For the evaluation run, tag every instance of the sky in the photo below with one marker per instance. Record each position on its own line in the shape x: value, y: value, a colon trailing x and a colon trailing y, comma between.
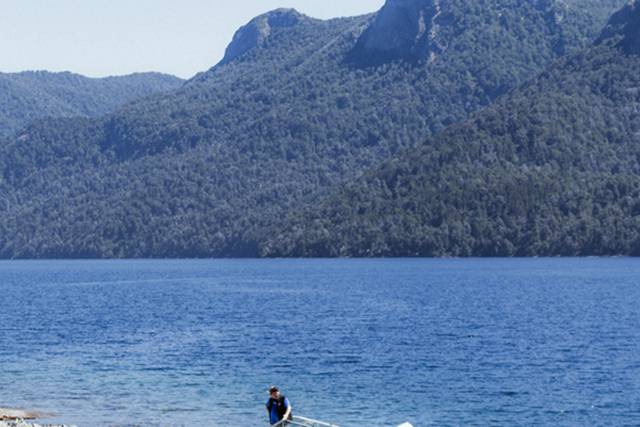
x: 99, y: 38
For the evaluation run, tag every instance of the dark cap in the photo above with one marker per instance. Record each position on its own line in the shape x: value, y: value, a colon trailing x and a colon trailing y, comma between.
x: 273, y: 389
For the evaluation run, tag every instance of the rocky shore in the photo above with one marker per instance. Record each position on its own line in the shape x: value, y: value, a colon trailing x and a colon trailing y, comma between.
x: 19, y: 418
x: 22, y: 423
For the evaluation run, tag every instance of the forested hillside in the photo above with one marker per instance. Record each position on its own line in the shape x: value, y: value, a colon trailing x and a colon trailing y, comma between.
x: 289, y: 113
x: 28, y: 96
x: 551, y: 169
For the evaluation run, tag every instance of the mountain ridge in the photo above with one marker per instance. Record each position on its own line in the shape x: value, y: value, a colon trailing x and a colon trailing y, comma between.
x: 208, y: 169
x: 402, y: 30
x: 33, y: 95
x: 258, y: 30
x: 419, y: 30
x: 550, y: 169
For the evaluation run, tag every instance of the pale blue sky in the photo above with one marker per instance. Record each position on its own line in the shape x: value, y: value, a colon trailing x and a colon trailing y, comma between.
x: 114, y: 37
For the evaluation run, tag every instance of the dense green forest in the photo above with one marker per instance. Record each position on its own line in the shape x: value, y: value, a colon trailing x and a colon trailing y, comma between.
x: 551, y: 169
x: 213, y: 168
x: 29, y: 96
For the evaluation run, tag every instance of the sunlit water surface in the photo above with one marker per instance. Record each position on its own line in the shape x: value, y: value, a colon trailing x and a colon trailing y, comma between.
x: 356, y: 342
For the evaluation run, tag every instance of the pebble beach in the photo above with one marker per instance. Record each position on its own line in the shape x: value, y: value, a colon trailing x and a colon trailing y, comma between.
x: 20, y: 418
x: 22, y: 423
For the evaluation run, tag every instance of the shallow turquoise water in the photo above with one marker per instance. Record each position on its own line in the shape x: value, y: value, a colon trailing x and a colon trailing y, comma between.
x: 357, y: 342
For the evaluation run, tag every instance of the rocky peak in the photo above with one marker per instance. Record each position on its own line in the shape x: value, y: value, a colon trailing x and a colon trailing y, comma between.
x: 623, y: 29
x: 258, y: 30
x: 402, y: 30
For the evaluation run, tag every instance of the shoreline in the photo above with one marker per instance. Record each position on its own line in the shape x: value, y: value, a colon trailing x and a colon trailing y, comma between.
x: 23, y: 423
x: 21, y: 418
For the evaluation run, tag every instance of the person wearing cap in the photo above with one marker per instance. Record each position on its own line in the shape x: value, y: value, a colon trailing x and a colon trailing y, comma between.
x: 278, y: 406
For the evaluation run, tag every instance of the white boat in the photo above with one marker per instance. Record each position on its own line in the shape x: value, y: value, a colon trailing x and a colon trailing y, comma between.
x: 308, y: 422
x: 304, y: 422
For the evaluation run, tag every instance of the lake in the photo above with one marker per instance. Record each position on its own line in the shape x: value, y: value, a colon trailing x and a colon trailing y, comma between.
x: 355, y: 342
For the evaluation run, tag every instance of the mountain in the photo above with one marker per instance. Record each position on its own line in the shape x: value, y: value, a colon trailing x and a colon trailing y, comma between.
x: 403, y: 30
x: 550, y: 169
x: 256, y: 32
x: 422, y: 30
x: 29, y: 96
x: 287, y: 115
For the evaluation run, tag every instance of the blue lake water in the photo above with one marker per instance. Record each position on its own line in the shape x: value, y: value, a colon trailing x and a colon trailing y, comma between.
x: 356, y: 342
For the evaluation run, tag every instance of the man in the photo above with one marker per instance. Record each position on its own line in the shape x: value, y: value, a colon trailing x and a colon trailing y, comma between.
x: 278, y: 406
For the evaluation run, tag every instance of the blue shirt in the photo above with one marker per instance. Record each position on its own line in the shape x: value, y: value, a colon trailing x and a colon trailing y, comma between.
x: 274, y: 417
